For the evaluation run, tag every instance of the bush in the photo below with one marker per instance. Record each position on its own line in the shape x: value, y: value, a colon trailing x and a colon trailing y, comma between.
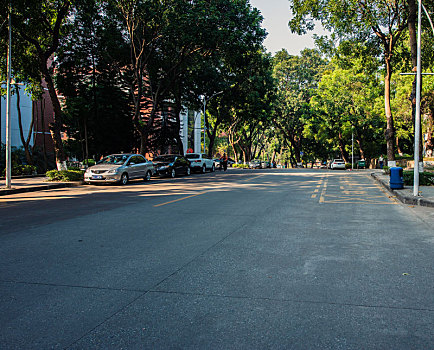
x: 21, y: 170
x: 386, y: 170
x: 241, y: 166
x: 65, y: 175
x: 89, y: 162
x: 425, y: 179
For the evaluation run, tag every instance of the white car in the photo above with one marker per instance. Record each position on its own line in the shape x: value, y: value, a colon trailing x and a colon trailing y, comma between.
x: 337, y: 164
x: 200, y: 162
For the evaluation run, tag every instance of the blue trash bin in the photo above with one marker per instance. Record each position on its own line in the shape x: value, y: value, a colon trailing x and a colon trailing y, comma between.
x: 396, y: 178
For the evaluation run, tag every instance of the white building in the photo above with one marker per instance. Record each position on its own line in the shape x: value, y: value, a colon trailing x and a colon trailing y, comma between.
x: 26, y: 117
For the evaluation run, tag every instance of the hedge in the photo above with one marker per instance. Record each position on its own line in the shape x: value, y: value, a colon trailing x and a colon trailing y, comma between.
x: 425, y: 179
x: 65, y: 175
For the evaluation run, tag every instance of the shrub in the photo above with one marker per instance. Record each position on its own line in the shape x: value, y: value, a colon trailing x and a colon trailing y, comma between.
x: 89, y: 162
x: 386, y: 170
x: 241, y: 166
x: 425, y: 178
x: 65, y: 175
x: 21, y: 170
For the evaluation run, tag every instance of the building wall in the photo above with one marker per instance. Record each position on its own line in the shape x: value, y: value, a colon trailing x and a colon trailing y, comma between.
x: 197, y: 132
x: 26, y: 118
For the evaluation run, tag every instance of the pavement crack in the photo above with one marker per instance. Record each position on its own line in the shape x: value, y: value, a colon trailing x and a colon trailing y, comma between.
x: 300, y: 301
x: 73, y: 286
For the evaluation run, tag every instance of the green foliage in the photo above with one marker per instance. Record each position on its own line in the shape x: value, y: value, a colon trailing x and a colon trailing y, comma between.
x: 425, y: 178
x: 240, y: 166
x: 18, y: 170
x: 65, y: 175
x: 386, y: 170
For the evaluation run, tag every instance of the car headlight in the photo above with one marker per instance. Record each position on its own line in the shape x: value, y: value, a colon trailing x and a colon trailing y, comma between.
x: 87, y: 171
x: 113, y: 171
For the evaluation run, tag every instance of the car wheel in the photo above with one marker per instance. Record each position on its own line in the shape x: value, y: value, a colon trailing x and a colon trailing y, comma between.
x: 188, y: 171
x: 213, y: 168
x: 148, y: 176
x: 124, y: 179
x: 204, y: 169
x: 173, y: 173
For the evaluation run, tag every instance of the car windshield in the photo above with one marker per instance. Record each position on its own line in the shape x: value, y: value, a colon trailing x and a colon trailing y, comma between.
x: 164, y: 159
x: 114, y: 159
x: 192, y: 156
x: 339, y: 161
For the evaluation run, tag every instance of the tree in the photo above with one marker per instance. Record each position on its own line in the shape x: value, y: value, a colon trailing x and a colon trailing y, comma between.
x: 167, y: 38
x: 38, y: 25
x: 365, y: 21
x: 346, y: 102
x: 90, y: 70
x: 296, y: 77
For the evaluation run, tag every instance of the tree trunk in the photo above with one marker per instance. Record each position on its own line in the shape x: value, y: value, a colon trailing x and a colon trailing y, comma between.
x: 56, y: 125
x: 344, y: 152
x: 360, y: 144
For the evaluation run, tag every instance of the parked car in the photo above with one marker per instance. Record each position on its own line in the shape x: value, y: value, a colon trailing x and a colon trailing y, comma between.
x: 255, y: 164
x: 337, y: 164
x: 120, y: 168
x: 171, y: 165
x: 200, y: 162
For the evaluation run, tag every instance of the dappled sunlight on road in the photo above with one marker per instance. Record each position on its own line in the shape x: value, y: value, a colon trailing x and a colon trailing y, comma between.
x: 302, y: 179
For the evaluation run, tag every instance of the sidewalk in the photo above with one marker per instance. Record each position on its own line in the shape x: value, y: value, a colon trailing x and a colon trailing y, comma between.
x: 32, y: 184
x: 405, y: 195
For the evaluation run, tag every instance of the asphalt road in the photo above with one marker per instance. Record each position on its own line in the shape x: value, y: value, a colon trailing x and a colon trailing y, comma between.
x: 265, y: 259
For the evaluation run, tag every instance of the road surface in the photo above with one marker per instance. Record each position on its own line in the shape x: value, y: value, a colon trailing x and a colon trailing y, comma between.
x: 247, y: 259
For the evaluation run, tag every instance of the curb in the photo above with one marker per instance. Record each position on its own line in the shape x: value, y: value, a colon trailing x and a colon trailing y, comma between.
x: 403, y: 198
x: 4, y: 192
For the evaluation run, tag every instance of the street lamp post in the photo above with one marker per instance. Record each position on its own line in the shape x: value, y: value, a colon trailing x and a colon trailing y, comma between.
x: 418, y: 93
x: 8, y: 104
x: 352, y: 147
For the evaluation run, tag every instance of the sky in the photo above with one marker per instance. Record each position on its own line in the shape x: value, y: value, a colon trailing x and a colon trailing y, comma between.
x: 276, y: 15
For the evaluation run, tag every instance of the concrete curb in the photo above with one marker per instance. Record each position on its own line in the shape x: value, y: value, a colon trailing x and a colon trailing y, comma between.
x: 48, y: 186
x: 402, y: 197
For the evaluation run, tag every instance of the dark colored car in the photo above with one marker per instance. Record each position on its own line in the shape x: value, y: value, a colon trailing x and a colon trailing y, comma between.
x: 171, y: 165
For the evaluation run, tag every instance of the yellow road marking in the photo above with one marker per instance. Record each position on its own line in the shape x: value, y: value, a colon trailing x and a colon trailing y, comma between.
x: 255, y: 177
x: 197, y: 194
x: 179, y: 199
x: 321, y: 198
x: 314, y: 196
x: 315, y: 191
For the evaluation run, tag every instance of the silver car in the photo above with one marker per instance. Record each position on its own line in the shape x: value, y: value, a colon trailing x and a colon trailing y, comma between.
x: 120, y: 168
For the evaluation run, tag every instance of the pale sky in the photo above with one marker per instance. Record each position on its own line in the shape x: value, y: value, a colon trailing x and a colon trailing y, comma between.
x: 276, y: 15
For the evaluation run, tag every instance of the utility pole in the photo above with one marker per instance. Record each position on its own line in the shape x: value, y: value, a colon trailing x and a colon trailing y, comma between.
x: 352, y: 147
x: 8, y: 103
x: 418, y: 93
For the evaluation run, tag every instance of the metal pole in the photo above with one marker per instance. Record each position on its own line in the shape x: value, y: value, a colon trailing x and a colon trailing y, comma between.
x: 8, y: 105
x: 418, y: 93
x: 204, y: 122
x: 352, y: 149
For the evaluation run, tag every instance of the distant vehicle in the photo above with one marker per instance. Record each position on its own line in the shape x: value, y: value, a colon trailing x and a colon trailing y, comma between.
x: 171, y: 165
x: 255, y: 164
x: 200, y: 162
x: 337, y: 164
x: 120, y: 168
x: 231, y: 162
